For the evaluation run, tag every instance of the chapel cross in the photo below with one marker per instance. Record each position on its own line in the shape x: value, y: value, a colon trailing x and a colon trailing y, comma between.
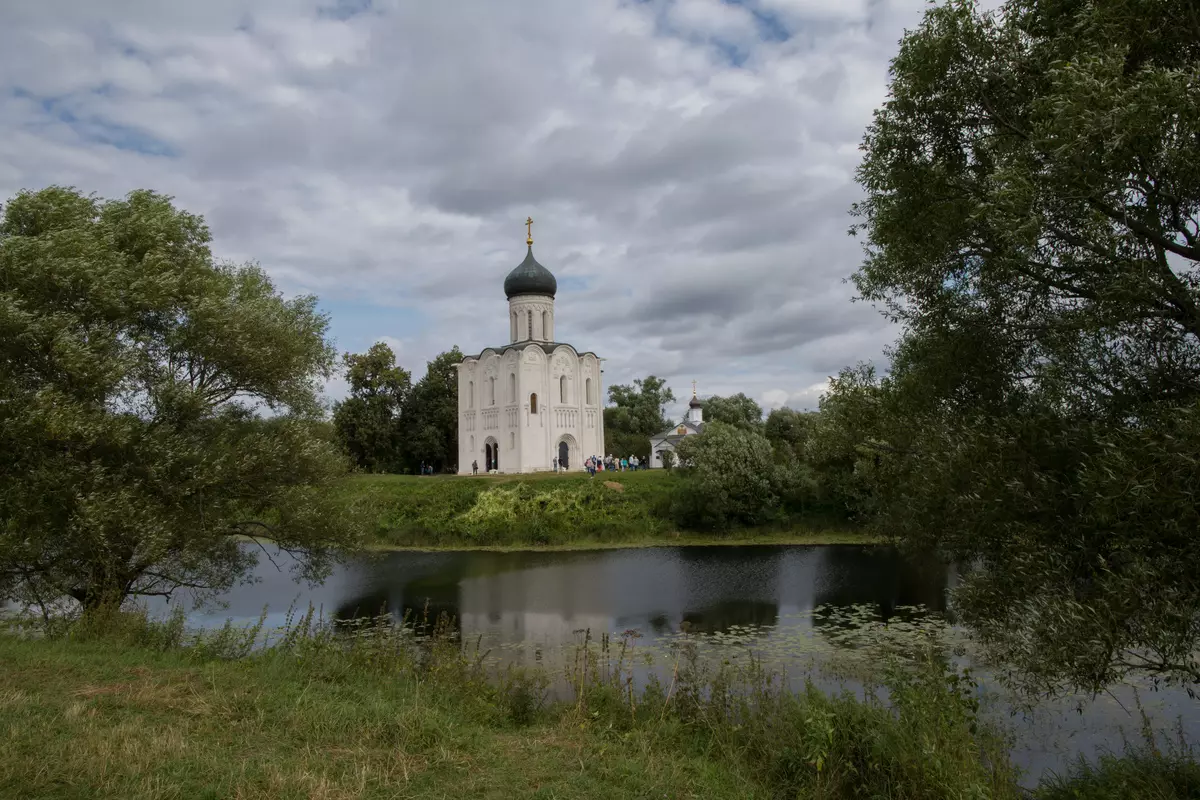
x: 693, y: 388
x: 529, y: 231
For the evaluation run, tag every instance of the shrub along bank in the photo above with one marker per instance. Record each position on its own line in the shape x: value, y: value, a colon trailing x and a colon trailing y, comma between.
x: 547, y: 509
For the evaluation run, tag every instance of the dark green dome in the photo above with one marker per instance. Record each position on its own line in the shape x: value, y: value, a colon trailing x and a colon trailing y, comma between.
x: 530, y: 277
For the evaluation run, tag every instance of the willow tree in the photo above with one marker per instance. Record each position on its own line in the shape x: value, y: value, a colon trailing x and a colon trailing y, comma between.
x: 1033, y: 220
x: 134, y: 373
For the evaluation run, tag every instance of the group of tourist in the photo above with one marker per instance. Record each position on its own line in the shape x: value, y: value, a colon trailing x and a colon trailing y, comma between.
x: 596, y: 464
x: 593, y: 465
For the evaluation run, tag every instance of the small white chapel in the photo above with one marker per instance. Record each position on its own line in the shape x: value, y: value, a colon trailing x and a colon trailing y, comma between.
x: 533, y: 404
x: 665, y: 442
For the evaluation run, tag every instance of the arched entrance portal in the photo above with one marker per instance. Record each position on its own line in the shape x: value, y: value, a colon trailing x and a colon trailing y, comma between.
x: 567, y: 452
x: 491, y: 455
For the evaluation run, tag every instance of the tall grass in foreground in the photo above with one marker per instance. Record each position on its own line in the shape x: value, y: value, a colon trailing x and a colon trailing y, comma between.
x: 751, y: 733
x: 116, y: 704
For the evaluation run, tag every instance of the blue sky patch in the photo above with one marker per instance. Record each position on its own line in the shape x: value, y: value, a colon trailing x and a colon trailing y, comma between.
x: 356, y: 325
x: 96, y: 129
x: 572, y: 284
x: 344, y: 9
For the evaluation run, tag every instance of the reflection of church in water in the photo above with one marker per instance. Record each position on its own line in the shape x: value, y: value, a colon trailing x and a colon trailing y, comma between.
x: 532, y: 403
x: 546, y: 599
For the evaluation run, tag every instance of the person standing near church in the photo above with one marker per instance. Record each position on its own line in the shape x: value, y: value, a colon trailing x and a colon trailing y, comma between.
x: 475, y: 467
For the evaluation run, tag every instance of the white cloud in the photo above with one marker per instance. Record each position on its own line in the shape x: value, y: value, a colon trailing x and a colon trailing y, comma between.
x: 690, y: 181
x: 713, y: 18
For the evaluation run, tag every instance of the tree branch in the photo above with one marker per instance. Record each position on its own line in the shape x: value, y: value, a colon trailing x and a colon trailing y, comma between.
x: 1144, y: 230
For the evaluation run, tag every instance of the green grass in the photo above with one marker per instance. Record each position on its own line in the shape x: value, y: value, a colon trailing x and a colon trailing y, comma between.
x: 121, y: 707
x: 130, y: 713
x: 1145, y: 773
x: 93, y: 720
x: 548, y: 510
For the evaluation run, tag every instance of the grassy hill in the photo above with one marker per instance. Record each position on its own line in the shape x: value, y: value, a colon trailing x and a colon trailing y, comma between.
x: 547, y: 509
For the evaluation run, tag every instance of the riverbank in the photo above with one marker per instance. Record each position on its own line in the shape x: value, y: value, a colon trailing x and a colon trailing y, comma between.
x: 555, y: 511
x: 130, y: 713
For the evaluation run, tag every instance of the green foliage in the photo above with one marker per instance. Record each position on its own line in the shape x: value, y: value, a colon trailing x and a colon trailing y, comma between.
x: 131, y: 368
x: 1032, y: 219
x: 429, y: 420
x: 843, y: 447
x: 737, y: 410
x: 626, y: 443
x: 635, y: 414
x: 789, y: 431
x: 368, y: 420
x: 1034, y: 188
x: 556, y: 510
x: 544, y: 510
x: 730, y: 479
x: 1144, y: 773
x: 387, y: 424
x: 1082, y: 536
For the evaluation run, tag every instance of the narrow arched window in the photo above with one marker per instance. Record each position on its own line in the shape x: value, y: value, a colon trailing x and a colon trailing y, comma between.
x: 512, y: 387
x: 546, y: 325
x: 533, y: 403
x: 512, y: 441
x: 470, y: 394
x: 562, y: 389
x: 492, y: 391
x: 587, y: 391
x: 513, y: 326
x: 530, y: 324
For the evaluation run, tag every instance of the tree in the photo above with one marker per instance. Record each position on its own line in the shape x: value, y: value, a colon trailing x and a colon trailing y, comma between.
x: 1035, y: 175
x: 368, y: 420
x: 636, y: 413
x: 430, y: 416
x: 737, y: 410
x: 730, y: 478
x: 845, y: 442
x: 132, y: 368
x: 1033, y: 219
x: 788, y: 431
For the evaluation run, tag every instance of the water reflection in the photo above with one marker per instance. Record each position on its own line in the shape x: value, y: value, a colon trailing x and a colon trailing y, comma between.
x: 527, y: 605
x: 547, y: 597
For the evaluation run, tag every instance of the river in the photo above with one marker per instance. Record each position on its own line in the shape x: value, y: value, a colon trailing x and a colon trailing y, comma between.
x: 534, y: 603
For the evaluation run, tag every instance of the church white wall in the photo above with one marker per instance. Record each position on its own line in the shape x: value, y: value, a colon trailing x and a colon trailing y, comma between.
x: 657, y: 448
x: 529, y: 440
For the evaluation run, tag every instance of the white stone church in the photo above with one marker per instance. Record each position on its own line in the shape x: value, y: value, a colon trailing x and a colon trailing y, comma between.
x: 534, y: 402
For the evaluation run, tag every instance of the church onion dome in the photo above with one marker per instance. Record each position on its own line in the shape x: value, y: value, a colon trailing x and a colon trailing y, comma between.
x: 695, y: 402
x: 530, y: 277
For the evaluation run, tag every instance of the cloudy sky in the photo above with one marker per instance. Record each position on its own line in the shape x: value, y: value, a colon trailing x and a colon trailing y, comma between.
x: 688, y: 163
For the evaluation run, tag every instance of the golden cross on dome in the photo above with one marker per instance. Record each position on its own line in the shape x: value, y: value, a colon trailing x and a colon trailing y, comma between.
x: 693, y: 388
x: 529, y: 231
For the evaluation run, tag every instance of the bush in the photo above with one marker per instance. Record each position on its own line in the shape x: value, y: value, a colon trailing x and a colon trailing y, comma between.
x: 730, y: 479
x: 797, y: 487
